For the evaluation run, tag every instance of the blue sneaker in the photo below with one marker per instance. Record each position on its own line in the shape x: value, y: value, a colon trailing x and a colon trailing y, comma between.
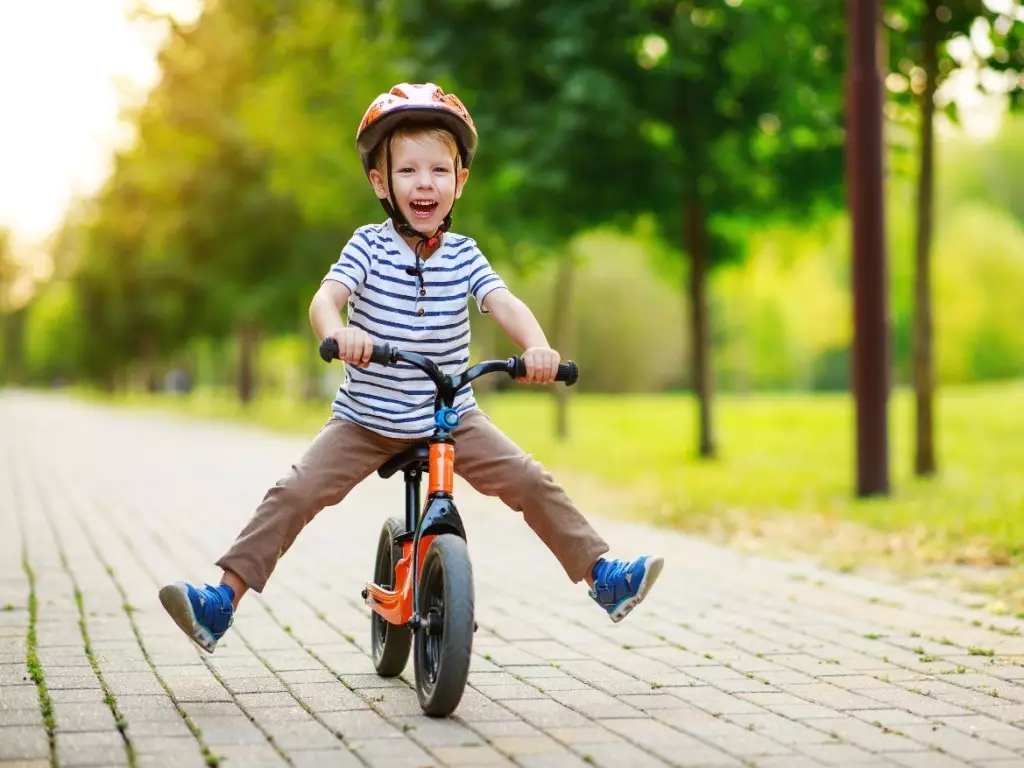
x: 203, y: 613
x: 621, y: 586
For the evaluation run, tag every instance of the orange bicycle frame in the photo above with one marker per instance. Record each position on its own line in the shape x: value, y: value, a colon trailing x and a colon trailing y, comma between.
x: 397, y: 605
x: 442, y: 468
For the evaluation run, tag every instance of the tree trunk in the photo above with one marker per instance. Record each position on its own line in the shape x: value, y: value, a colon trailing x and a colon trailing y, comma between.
x: 924, y: 370
x: 12, y: 347
x: 247, y: 342
x: 865, y: 173
x: 560, y: 336
x: 150, y: 362
x: 697, y: 246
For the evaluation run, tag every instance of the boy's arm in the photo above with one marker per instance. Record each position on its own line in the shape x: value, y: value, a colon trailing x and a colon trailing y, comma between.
x: 354, y: 345
x: 325, y: 308
x: 521, y: 326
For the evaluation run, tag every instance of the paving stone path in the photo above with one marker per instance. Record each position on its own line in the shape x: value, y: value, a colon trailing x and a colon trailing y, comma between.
x: 734, y: 660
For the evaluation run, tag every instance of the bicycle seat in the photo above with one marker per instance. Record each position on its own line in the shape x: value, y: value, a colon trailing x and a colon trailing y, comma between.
x: 416, y: 457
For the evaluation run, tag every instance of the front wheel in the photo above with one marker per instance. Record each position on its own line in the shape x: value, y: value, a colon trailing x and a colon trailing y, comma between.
x: 444, y: 641
x: 389, y: 643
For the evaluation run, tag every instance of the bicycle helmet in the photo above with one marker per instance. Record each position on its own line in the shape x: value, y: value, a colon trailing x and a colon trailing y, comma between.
x: 424, y: 103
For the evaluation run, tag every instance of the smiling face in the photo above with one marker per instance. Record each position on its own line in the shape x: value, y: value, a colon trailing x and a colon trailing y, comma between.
x: 425, y: 174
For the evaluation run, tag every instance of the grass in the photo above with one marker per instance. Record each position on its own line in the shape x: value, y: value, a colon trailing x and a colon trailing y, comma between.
x: 784, y: 476
x: 793, y: 456
x: 35, y: 669
x: 109, y: 698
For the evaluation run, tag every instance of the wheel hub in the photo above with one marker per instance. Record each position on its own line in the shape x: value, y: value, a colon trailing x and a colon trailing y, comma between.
x: 433, y: 623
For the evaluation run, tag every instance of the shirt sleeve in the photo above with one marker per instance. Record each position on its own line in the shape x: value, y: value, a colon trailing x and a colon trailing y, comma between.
x: 482, y: 279
x: 353, y: 265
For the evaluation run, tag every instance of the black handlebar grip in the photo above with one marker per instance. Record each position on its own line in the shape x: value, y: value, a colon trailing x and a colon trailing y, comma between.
x: 329, y: 349
x: 518, y: 368
x: 567, y: 372
x: 381, y: 354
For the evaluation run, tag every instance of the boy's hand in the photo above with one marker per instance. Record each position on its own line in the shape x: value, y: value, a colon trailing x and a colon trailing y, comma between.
x: 541, y: 365
x: 354, y: 346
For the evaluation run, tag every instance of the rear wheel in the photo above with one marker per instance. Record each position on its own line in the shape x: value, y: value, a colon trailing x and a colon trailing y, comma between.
x: 389, y: 643
x: 444, y: 641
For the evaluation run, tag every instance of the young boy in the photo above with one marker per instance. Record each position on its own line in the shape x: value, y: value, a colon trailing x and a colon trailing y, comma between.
x: 407, y: 282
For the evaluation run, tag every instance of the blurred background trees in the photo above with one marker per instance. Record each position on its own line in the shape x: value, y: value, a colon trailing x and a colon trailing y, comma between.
x: 659, y: 178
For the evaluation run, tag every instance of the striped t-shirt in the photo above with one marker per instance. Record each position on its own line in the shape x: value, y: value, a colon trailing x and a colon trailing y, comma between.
x: 431, y: 318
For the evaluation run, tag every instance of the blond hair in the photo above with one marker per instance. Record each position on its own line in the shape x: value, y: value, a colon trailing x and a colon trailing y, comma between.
x: 419, y: 132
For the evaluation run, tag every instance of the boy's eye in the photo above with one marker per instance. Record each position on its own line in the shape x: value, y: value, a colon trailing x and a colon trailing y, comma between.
x: 441, y: 169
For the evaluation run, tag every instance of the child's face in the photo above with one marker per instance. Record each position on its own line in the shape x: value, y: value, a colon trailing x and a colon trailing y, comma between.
x: 424, y: 179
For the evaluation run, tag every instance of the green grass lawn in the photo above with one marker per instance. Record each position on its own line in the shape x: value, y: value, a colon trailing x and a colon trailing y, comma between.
x: 786, y: 469
x: 784, y: 477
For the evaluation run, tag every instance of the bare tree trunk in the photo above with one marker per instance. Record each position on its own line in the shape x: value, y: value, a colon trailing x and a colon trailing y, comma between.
x: 248, y: 335
x: 697, y: 246
x: 924, y: 370
x: 560, y: 336
x: 150, y: 363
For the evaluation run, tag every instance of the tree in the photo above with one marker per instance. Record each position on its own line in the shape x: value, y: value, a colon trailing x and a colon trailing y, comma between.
x: 9, y: 318
x: 188, y: 237
x: 698, y: 114
x: 924, y: 60
x: 244, y: 177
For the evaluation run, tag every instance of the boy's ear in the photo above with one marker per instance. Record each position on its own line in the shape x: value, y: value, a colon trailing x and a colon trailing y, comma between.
x: 379, y: 185
x: 460, y: 181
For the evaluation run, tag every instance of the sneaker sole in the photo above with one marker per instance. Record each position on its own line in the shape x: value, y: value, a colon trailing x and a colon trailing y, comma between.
x: 174, y: 598
x: 652, y: 571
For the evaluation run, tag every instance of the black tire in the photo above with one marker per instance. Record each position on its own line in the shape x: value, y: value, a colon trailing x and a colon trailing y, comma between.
x: 441, y: 660
x: 389, y: 643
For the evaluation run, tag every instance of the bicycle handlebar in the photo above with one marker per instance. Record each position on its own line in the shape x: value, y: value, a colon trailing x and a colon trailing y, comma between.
x: 515, y: 367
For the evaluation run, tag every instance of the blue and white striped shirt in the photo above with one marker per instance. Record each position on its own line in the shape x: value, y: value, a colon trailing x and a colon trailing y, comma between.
x: 393, y: 307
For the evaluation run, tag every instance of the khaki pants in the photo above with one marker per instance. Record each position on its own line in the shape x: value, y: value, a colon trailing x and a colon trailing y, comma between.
x: 344, y: 454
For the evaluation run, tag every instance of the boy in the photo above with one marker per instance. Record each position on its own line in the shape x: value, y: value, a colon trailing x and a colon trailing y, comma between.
x: 407, y: 282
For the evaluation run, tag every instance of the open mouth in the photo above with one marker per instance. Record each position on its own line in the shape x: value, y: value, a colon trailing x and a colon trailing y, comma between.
x: 423, y: 209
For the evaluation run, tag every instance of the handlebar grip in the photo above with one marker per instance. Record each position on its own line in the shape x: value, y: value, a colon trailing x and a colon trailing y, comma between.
x: 567, y: 372
x: 381, y: 354
x: 329, y: 351
x: 518, y: 368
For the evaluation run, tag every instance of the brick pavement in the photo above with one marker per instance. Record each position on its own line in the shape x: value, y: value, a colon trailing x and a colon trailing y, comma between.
x: 735, y: 660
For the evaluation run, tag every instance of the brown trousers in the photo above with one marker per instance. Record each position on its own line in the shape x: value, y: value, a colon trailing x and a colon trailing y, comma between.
x: 343, y: 454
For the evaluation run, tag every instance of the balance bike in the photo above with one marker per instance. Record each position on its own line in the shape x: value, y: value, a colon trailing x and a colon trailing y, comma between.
x: 421, y: 596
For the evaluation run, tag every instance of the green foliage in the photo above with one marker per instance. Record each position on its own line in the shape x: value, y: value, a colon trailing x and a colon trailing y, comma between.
x: 243, y: 182
x: 970, y: 33
x: 591, y: 114
x: 188, y: 237
x: 990, y: 172
x: 980, y: 253
x: 626, y: 325
x: 785, y: 315
x: 322, y: 69
x: 785, y: 320
x: 55, y: 339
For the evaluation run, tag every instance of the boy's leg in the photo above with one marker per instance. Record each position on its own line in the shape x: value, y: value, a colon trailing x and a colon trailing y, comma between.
x: 342, y: 455
x: 495, y: 466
